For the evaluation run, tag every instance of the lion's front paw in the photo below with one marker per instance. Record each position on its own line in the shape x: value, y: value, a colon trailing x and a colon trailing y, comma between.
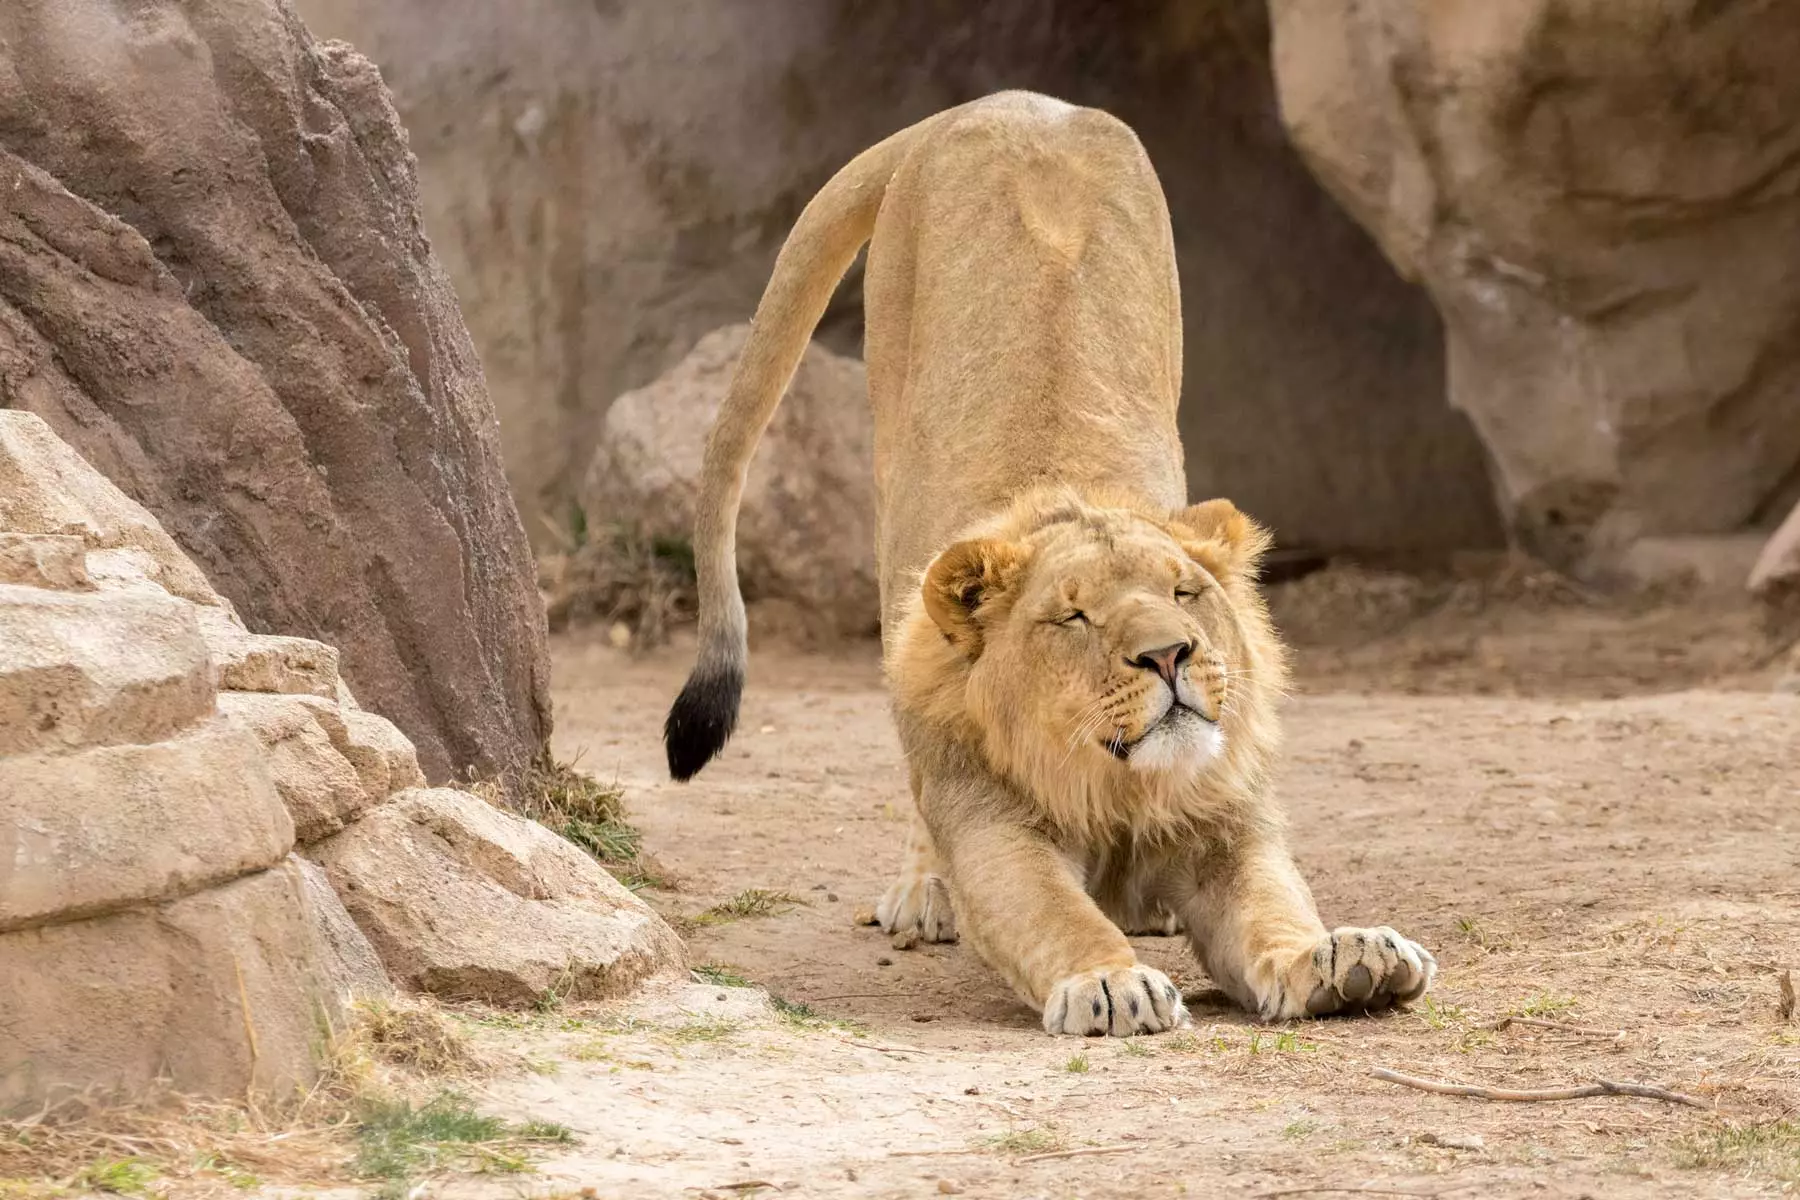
x: 1357, y: 970
x: 1122, y: 1002
x: 917, y: 908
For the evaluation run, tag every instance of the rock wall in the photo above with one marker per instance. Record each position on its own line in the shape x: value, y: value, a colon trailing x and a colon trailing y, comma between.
x: 214, y: 284
x: 1604, y: 201
x: 606, y: 183
x: 162, y: 772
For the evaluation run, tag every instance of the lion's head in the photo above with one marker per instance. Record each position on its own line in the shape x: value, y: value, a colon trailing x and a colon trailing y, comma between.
x: 1104, y: 654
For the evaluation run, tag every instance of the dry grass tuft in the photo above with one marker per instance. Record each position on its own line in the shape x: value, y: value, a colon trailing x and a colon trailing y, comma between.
x: 412, y: 1033
x: 368, y: 1094
x: 574, y: 805
x: 622, y: 576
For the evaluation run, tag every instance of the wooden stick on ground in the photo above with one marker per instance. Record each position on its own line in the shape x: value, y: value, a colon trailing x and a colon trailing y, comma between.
x: 1600, y: 1087
x: 1085, y: 1152
x: 1615, y: 1035
x: 1352, y: 1189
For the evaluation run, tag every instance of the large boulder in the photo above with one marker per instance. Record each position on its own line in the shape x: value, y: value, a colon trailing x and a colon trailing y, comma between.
x: 608, y: 182
x: 806, y: 529
x: 88, y: 669
x: 110, y: 827
x: 214, y: 284
x: 225, y: 992
x: 472, y: 903
x: 1603, y: 201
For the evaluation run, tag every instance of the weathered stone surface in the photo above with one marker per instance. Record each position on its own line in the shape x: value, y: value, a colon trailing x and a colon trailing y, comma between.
x: 469, y: 902
x: 244, y: 327
x: 319, y: 786
x: 45, y: 560
x: 46, y: 488
x: 1777, y: 567
x: 380, y: 753
x: 257, y: 662
x: 1603, y: 200
x: 99, y: 829
x: 220, y: 993
x: 87, y: 669
x: 806, y: 529
x: 351, y: 965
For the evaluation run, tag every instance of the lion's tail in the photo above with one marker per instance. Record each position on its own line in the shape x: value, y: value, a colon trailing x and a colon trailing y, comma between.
x: 820, y: 249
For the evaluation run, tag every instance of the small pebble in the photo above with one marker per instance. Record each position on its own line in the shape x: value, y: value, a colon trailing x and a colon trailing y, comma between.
x: 884, y: 961
x: 949, y: 1187
x: 971, y: 1091
x: 831, y: 897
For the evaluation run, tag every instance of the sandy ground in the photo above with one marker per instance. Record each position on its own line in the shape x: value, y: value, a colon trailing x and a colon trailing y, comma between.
x: 1627, y: 868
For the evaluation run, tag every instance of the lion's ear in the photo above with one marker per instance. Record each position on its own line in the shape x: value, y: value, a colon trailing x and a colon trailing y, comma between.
x: 1223, y: 540
x: 964, y: 578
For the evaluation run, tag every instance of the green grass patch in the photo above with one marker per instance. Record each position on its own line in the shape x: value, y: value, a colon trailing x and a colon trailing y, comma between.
x: 1770, y: 1150
x: 1543, y: 1004
x: 397, y: 1141
x: 751, y: 902
x: 1077, y: 1065
x: 118, y: 1176
x: 796, y: 1015
x: 1040, y: 1140
x: 1284, y: 1042
x: 703, y: 1029
x: 720, y: 975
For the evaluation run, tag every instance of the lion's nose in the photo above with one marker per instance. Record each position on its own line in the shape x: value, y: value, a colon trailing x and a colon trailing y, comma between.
x: 1165, y: 660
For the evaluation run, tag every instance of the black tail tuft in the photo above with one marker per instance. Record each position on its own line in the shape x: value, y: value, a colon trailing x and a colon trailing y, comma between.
x: 702, y: 719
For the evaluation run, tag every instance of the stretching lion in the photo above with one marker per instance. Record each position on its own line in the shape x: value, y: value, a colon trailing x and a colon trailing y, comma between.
x: 1084, y: 674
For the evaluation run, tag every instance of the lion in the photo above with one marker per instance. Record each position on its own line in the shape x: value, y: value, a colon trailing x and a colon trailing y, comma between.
x: 1084, y: 674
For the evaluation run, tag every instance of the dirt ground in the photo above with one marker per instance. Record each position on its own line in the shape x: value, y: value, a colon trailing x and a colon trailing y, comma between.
x: 1625, y: 868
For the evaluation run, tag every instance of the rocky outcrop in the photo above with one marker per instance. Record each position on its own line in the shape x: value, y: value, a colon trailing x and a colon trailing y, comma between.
x: 470, y: 903
x: 151, y: 923
x: 606, y: 183
x: 806, y: 528
x: 223, y: 992
x: 159, y: 767
x: 1604, y: 201
x: 245, y: 328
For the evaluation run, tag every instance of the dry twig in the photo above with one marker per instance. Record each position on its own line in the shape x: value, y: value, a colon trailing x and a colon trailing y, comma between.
x: 1580, y: 1091
x: 1084, y: 1152
x: 1615, y: 1035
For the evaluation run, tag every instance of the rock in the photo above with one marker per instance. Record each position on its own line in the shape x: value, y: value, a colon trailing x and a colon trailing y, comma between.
x: 96, y: 830
x: 255, y: 662
x: 220, y: 993
x: 87, y: 669
x: 806, y: 531
x: 380, y: 753
x: 45, y: 560
x: 317, y: 783
x: 246, y: 330
x: 606, y: 183
x: 468, y: 902
x: 46, y: 488
x: 351, y: 965
x: 1777, y: 566
x: 1607, y: 231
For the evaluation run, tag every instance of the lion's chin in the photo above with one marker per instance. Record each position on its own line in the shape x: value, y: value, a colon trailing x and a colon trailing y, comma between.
x: 1182, y: 744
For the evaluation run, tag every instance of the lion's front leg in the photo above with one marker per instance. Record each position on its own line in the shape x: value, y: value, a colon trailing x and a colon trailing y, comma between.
x: 917, y: 904
x: 1023, y: 909
x: 1253, y: 925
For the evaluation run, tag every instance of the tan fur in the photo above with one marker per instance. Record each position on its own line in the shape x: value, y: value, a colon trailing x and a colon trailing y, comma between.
x: 1073, y: 774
